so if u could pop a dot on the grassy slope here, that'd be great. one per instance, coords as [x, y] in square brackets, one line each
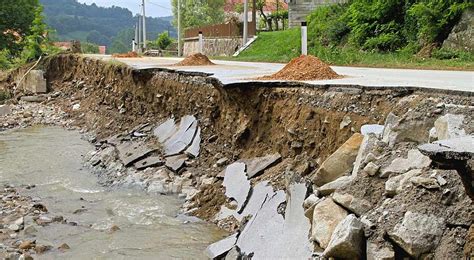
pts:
[282, 46]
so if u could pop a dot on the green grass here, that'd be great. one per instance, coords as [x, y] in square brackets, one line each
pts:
[282, 46]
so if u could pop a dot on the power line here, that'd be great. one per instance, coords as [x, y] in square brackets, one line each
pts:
[162, 6]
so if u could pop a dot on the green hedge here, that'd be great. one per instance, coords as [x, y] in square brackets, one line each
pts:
[385, 25]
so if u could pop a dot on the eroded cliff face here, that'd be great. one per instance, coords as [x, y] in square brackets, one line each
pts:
[354, 150]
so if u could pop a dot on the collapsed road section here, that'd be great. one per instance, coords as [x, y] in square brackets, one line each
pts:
[290, 170]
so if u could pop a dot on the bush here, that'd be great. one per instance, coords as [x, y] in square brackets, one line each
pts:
[385, 25]
[446, 54]
[163, 40]
[89, 48]
[5, 59]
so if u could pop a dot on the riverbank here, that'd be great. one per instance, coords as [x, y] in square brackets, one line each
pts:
[326, 158]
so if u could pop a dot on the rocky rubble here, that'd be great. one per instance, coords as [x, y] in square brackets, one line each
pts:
[20, 217]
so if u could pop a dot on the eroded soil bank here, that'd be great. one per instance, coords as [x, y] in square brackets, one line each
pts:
[370, 180]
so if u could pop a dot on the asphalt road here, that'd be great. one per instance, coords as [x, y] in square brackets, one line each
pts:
[233, 71]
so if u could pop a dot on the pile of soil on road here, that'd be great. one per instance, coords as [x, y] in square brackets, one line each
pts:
[131, 54]
[305, 67]
[196, 59]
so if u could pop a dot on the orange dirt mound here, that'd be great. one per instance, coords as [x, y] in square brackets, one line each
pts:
[304, 68]
[131, 54]
[196, 59]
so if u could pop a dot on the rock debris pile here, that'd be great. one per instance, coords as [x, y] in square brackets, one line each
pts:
[304, 68]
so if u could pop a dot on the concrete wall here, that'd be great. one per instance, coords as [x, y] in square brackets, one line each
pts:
[213, 46]
[298, 10]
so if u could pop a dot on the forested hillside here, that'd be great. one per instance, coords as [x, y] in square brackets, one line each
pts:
[103, 26]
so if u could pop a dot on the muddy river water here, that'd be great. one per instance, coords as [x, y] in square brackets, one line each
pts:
[51, 159]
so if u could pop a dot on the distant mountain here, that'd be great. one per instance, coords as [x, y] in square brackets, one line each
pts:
[99, 25]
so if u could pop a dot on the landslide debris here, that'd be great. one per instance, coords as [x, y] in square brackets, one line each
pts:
[196, 59]
[305, 67]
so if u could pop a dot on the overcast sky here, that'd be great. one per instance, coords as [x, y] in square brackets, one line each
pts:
[152, 6]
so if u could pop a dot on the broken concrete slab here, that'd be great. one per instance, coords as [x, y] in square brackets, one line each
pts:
[131, 152]
[259, 234]
[461, 148]
[375, 252]
[195, 147]
[449, 126]
[165, 130]
[418, 233]
[236, 183]
[396, 184]
[415, 160]
[221, 247]
[340, 162]
[294, 242]
[372, 129]
[152, 161]
[182, 138]
[351, 203]
[257, 165]
[34, 82]
[270, 236]
[5, 110]
[347, 241]
[326, 216]
[175, 163]
[340, 183]
[259, 194]
[454, 154]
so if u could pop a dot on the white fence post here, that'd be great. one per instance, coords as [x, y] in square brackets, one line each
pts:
[304, 38]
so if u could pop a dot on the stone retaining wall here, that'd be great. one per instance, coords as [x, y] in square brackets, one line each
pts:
[213, 46]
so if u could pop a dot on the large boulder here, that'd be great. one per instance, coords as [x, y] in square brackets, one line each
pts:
[347, 241]
[326, 216]
[415, 160]
[340, 162]
[418, 233]
[351, 203]
[462, 35]
[396, 184]
[449, 126]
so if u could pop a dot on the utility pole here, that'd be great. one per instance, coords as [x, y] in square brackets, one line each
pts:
[144, 25]
[139, 33]
[179, 28]
[246, 18]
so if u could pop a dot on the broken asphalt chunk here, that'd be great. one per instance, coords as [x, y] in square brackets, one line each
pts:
[152, 161]
[257, 165]
[130, 153]
[175, 163]
[236, 183]
[221, 247]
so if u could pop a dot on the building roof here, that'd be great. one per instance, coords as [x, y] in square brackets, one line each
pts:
[269, 7]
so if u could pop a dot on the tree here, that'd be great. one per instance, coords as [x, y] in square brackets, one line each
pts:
[16, 19]
[199, 12]
[97, 38]
[163, 40]
[118, 47]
